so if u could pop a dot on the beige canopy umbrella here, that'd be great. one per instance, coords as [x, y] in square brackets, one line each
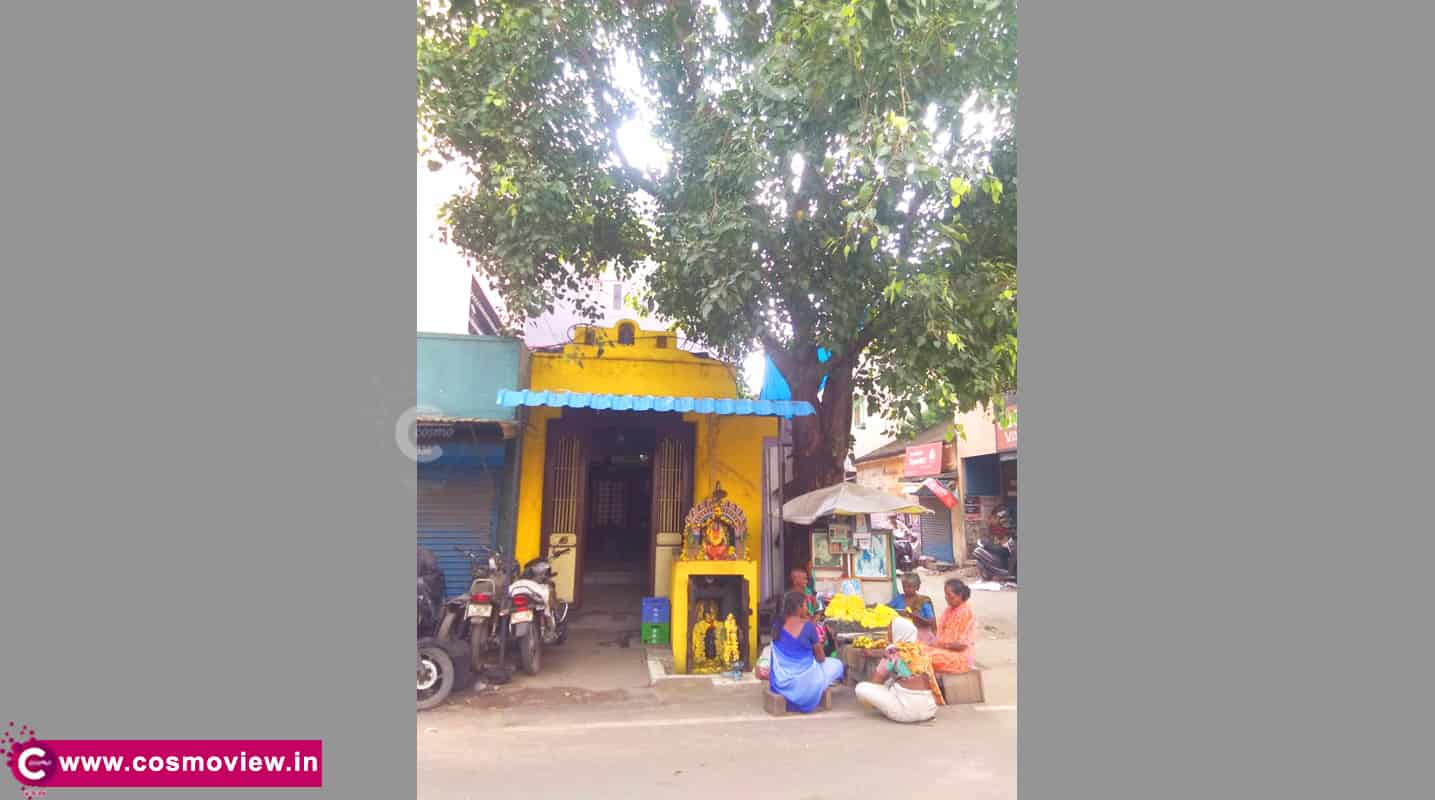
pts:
[847, 498]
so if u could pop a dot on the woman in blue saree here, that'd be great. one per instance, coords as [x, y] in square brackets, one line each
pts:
[800, 670]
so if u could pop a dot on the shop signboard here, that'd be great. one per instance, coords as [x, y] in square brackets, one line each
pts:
[1006, 437]
[935, 487]
[923, 460]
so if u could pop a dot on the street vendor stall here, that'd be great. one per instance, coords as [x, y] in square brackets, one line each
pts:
[844, 546]
[852, 563]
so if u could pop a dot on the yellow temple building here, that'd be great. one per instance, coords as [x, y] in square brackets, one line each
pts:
[639, 471]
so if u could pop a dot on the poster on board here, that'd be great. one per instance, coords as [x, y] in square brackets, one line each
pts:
[874, 562]
[822, 555]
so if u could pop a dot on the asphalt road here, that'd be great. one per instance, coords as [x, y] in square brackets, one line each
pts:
[720, 748]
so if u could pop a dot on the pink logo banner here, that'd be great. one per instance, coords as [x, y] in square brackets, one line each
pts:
[166, 763]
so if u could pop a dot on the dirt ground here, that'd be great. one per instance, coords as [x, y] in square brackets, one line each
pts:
[591, 727]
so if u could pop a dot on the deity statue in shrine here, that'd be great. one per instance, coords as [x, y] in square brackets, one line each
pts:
[708, 639]
[715, 643]
[731, 653]
[715, 530]
[717, 541]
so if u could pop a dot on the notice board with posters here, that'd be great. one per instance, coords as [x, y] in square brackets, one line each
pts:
[972, 521]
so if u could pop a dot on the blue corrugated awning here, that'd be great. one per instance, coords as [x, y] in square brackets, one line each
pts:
[630, 402]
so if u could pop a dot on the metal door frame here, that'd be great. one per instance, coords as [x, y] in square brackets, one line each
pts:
[685, 432]
[556, 429]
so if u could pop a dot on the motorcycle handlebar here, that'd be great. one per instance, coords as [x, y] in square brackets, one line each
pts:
[481, 552]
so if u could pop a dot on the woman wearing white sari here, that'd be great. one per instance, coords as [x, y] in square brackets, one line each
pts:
[903, 686]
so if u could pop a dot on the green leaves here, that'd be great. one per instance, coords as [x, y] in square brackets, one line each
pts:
[960, 188]
[880, 245]
[993, 187]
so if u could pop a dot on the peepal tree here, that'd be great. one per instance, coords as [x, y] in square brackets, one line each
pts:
[817, 190]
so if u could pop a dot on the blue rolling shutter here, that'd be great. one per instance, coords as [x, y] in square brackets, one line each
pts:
[936, 529]
[457, 507]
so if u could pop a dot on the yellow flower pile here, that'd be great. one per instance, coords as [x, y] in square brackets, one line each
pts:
[868, 643]
[877, 617]
[845, 607]
[850, 608]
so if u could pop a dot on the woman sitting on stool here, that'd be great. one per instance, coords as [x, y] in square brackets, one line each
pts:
[951, 653]
[800, 670]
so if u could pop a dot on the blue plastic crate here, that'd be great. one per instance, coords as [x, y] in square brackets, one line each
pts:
[656, 611]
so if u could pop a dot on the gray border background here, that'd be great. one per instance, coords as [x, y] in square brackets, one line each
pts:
[1224, 356]
[207, 322]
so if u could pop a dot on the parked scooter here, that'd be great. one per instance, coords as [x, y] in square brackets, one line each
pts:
[477, 617]
[441, 666]
[536, 616]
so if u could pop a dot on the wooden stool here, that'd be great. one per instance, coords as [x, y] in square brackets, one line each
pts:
[776, 705]
[857, 664]
[961, 688]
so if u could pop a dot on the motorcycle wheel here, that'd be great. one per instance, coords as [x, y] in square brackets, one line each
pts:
[476, 635]
[448, 628]
[530, 652]
[435, 676]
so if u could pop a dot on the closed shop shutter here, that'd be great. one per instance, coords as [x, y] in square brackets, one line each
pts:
[937, 530]
[457, 507]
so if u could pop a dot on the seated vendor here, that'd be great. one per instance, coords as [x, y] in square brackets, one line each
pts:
[951, 652]
[799, 669]
[917, 607]
[903, 687]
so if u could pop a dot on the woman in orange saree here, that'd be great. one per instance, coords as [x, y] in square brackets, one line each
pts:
[956, 632]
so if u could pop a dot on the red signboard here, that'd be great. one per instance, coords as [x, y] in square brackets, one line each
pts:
[935, 487]
[1006, 437]
[924, 459]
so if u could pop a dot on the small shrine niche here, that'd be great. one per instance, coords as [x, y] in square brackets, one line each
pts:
[718, 613]
[715, 530]
[714, 590]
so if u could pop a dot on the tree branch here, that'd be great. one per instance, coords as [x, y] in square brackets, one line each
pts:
[611, 123]
[683, 30]
[875, 326]
[913, 210]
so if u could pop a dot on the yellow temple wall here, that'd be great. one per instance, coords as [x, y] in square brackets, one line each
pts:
[727, 448]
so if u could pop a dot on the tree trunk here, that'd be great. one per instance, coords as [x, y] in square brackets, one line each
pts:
[819, 442]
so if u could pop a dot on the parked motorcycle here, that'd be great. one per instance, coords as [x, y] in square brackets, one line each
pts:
[441, 667]
[536, 616]
[906, 545]
[996, 551]
[477, 617]
[431, 594]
